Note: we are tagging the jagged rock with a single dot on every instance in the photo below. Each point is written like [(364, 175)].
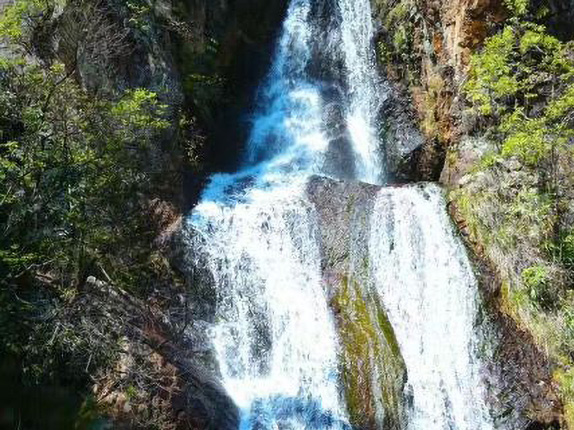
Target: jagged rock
[(461, 158), (519, 379), (560, 17), (520, 388)]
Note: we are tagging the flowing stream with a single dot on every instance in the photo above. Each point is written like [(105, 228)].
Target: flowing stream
[(256, 232)]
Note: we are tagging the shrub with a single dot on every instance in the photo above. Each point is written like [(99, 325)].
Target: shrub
[(73, 168), (518, 200)]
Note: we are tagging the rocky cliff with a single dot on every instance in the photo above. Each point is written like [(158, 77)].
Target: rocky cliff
[(203, 58), (374, 372)]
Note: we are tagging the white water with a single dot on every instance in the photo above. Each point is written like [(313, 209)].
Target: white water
[(256, 233), (275, 338), (365, 88), (425, 280)]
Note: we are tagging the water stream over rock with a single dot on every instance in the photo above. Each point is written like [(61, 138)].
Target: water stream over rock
[(336, 305), (426, 283)]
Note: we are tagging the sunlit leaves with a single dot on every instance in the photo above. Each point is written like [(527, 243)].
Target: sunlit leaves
[(517, 7), (72, 167), (20, 18)]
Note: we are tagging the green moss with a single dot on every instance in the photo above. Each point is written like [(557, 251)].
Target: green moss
[(565, 380), (350, 204), (388, 332), (398, 13), (400, 38), (396, 47), (365, 264), (373, 367)]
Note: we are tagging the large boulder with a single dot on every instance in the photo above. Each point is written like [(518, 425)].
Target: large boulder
[(373, 369), (403, 141)]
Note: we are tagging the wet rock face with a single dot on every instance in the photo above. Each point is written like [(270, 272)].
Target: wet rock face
[(245, 32), (428, 68), (520, 389), (404, 142), (343, 208), (373, 370), (560, 17), (425, 49), (203, 58), (518, 376)]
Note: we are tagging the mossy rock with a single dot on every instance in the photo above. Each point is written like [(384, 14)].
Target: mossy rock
[(372, 368), (374, 372)]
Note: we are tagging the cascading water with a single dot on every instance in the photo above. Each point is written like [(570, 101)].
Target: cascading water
[(275, 338), (425, 280), (365, 88), (256, 233)]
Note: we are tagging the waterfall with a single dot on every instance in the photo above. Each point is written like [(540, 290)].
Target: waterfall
[(275, 338), (426, 282), (366, 90), (256, 232)]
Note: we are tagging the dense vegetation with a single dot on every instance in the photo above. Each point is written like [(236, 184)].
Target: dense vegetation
[(518, 202), (77, 182), (71, 174)]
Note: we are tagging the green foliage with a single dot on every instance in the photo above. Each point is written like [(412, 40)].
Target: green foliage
[(488, 161), (564, 378), (514, 67), (75, 184), (192, 141), (20, 19), (536, 279), (491, 76), (562, 249), (566, 254), (517, 7), (398, 13), (400, 39), (522, 85), (526, 137), (396, 47), (72, 170), (139, 110), (140, 12), (12, 23), (523, 81), (78, 177)]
